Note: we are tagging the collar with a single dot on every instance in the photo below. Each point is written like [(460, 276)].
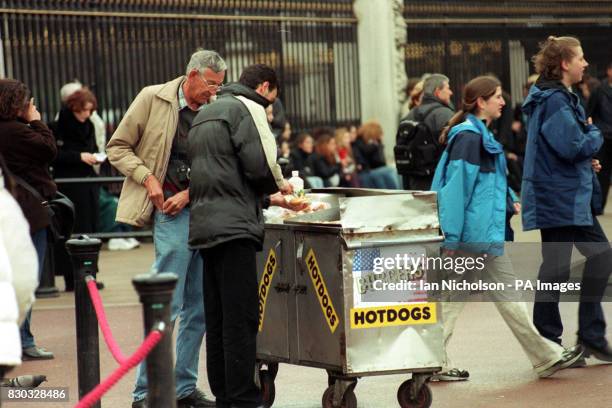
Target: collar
[(182, 102)]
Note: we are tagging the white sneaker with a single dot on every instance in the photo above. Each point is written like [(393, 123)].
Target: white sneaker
[(121, 244), (134, 242)]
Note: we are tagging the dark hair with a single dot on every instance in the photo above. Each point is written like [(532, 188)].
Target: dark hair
[(301, 138), (9, 182), (321, 147), (255, 75), (77, 101), (14, 98), (553, 51), (319, 132), (480, 87)]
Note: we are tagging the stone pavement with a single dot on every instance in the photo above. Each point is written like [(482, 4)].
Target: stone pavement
[(501, 375)]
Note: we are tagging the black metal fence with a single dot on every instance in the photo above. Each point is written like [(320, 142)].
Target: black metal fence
[(119, 46), (464, 39)]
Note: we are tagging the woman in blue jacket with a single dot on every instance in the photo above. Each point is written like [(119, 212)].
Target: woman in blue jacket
[(473, 196)]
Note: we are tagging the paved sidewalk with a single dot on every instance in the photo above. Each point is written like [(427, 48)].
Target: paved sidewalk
[(501, 375)]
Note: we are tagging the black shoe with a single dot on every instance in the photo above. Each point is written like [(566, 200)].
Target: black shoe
[(580, 363), (197, 399), (36, 353), (99, 285), (600, 353), (139, 404)]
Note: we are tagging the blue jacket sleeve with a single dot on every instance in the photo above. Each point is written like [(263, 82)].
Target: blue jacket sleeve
[(459, 182), (571, 140)]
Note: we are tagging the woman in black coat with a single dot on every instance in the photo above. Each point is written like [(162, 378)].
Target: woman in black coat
[(27, 146), (76, 142)]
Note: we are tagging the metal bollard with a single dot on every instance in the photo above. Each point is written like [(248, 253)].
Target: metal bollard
[(84, 254), (155, 291)]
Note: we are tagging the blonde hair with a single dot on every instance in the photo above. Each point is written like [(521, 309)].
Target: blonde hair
[(553, 51), (370, 131)]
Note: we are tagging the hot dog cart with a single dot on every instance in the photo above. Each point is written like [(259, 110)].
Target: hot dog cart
[(320, 303)]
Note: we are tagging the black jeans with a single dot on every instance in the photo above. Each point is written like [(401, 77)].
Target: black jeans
[(592, 243), (605, 157), (230, 302)]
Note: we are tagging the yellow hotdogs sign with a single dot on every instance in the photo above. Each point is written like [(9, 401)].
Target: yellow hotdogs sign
[(329, 312), (400, 315), (265, 284)]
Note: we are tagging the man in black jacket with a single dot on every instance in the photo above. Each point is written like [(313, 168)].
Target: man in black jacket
[(600, 109), (233, 167), (435, 111)]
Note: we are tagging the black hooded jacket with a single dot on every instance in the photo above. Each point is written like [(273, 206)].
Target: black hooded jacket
[(230, 171)]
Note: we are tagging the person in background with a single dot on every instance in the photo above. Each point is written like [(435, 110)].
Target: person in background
[(28, 148), (600, 109), (434, 111), (301, 160), (18, 271), (473, 201), (560, 194), (107, 201), (406, 106), (345, 155), (370, 158), (325, 162)]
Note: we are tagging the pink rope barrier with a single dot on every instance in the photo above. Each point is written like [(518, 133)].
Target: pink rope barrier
[(103, 322), (145, 348)]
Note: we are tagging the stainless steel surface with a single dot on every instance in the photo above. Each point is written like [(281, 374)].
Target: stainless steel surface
[(299, 326)]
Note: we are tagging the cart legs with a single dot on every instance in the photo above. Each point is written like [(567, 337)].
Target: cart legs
[(415, 393), (340, 393)]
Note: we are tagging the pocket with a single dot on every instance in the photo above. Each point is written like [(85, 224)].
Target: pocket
[(162, 218)]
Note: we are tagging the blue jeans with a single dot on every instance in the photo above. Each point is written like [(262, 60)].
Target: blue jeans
[(172, 254), (39, 239), (382, 177)]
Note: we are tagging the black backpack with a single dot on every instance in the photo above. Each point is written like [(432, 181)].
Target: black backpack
[(416, 149)]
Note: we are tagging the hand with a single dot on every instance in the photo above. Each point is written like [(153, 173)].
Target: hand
[(156, 194), (279, 200), (596, 165), (517, 208), (512, 156), (286, 189), (88, 158), (590, 120), (516, 126), (176, 203), (31, 112)]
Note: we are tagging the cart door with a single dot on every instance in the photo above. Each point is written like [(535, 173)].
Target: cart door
[(319, 299), (274, 277)]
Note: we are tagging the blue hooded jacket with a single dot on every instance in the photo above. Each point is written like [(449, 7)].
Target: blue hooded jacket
[(473, 194), (559, 185)]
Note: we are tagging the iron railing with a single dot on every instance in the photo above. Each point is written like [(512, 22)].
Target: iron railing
[(119, 46)]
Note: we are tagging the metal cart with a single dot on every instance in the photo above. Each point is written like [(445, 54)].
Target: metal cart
[(318, 305)]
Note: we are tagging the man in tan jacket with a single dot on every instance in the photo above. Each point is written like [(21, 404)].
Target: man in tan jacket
[(150, 148)]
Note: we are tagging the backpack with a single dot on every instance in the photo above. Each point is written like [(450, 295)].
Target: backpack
[(416, 149)]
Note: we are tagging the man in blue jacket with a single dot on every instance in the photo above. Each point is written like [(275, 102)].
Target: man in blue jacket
[(560, 193)]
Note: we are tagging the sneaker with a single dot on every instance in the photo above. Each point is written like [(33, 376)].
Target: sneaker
[(139, 404), (600, 353), (197, 399), (580, 363), (134, 242), (121, 244), (451, 375), (36, 353), (569, 357)]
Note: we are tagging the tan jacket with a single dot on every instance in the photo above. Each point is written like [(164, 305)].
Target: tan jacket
[(141, 146)]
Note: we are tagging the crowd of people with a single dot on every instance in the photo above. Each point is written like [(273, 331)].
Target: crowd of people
[(200, 160)]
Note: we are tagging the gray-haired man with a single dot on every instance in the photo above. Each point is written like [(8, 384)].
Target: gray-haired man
[(435, 111), (150, 148)]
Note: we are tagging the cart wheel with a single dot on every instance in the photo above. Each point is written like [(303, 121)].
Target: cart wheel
[(349, 400), (423, 399), (268, 390)]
